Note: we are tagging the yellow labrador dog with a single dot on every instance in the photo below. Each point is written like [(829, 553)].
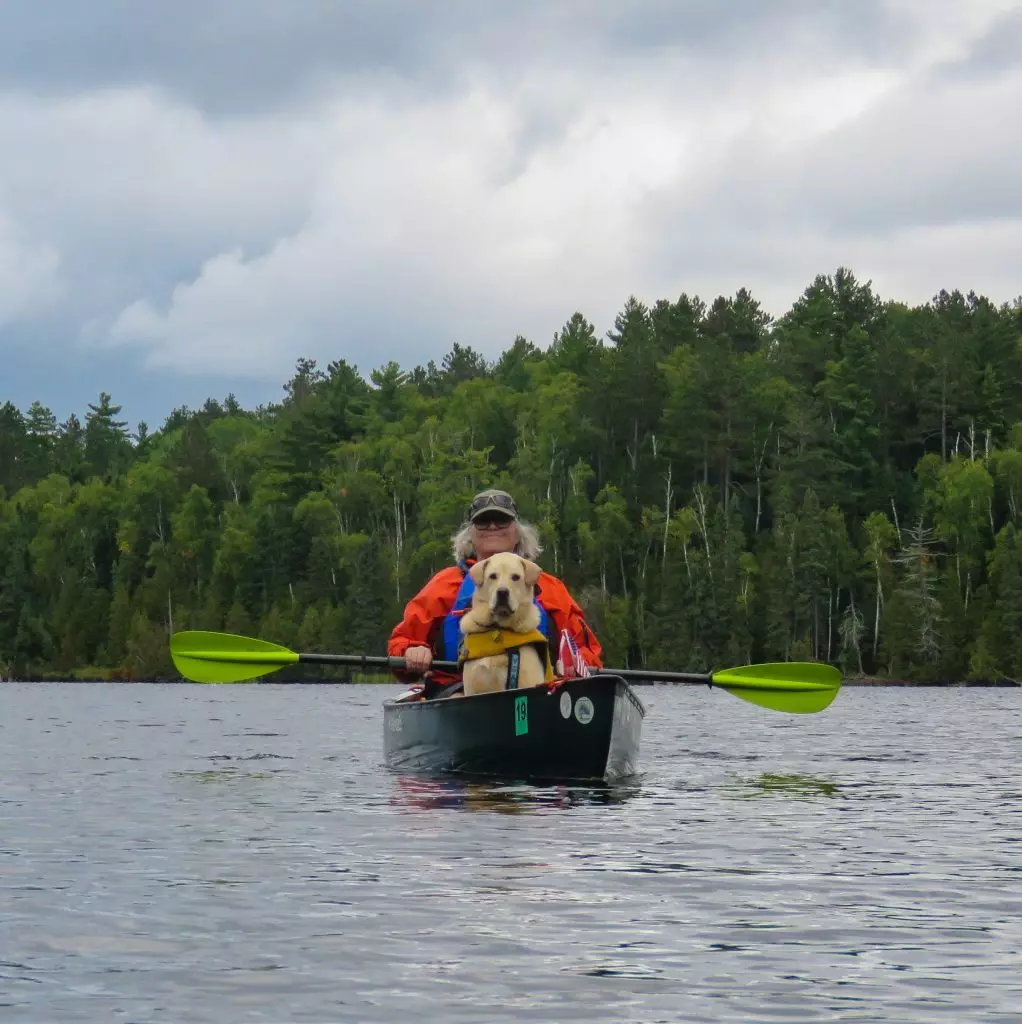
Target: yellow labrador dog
[(502, 612)]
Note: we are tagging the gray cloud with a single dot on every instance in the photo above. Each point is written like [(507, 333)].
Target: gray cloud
[(997, 50), (219, 188), (29, 273), (240, 56)]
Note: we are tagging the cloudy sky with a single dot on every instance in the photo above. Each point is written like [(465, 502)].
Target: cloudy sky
[(195, 194)]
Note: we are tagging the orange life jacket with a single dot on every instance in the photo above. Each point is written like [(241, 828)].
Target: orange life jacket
[(422, 624)]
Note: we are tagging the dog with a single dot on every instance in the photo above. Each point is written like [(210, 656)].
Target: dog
[(503, 606)]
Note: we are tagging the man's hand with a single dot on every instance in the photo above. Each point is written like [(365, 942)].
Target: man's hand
[(418, 659)]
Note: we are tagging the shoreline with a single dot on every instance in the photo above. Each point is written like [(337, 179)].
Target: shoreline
[(1003, 682), (987, 684)]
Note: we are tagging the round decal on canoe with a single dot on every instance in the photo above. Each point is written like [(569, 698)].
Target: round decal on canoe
[(566, 705), (584, 711)]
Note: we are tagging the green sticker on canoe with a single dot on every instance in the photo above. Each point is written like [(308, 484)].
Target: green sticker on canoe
[(521, 715)]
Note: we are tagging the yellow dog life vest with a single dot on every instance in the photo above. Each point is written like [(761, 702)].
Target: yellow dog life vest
[(503, 641)]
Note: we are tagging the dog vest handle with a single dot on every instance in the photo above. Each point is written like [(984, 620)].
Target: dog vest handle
[(514, 661)]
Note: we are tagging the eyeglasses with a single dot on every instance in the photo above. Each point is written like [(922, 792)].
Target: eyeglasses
[(497, 522)]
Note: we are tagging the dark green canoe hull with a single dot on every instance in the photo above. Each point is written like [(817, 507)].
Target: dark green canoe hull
[(585, 729)]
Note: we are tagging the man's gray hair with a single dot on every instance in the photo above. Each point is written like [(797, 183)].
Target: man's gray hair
[(528, 545)]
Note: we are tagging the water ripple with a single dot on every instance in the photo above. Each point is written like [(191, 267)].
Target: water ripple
[(239, 853)]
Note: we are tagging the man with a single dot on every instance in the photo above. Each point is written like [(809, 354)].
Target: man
[(429, 629)]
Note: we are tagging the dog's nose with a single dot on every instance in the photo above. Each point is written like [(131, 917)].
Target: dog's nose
[(503, 595)]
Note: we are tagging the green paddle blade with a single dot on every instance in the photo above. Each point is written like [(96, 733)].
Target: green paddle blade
[(798, 687), (224, 658)]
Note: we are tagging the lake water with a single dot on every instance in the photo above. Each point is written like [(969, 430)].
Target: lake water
[(237, 853)]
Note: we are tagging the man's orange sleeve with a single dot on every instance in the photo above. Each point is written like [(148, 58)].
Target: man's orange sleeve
[(433, 602), (566, 614)]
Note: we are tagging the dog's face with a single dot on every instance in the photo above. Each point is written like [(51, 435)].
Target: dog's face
[(504, 583)]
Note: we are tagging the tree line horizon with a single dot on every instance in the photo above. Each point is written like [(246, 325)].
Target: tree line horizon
[(716, 487)]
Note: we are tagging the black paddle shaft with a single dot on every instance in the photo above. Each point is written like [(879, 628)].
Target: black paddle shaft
[(657, 676), (372, 661)]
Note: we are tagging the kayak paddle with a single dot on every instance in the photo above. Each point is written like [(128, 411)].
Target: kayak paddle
[(206, 657), (797, 687)]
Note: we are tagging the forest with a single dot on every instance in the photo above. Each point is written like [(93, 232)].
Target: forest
[(717, 487)]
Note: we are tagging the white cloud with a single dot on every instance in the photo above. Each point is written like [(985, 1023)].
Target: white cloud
[(419, 230), (442, 220)]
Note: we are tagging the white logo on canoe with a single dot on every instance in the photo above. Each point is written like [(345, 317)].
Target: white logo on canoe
[(566, 705), (584, 711)]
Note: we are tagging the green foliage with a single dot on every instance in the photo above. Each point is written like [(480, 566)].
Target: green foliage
[(716, 488), (148, 651)]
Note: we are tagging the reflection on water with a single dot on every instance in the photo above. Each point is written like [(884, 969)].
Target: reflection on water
[(797, 787), (428, 793)]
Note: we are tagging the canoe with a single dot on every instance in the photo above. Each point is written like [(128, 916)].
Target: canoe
[(582, 729)]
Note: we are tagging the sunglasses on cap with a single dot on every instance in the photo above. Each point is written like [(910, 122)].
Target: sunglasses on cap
[(499, 502)]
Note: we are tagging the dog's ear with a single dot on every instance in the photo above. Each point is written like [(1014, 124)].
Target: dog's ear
[(532, 572), (478, 572)]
